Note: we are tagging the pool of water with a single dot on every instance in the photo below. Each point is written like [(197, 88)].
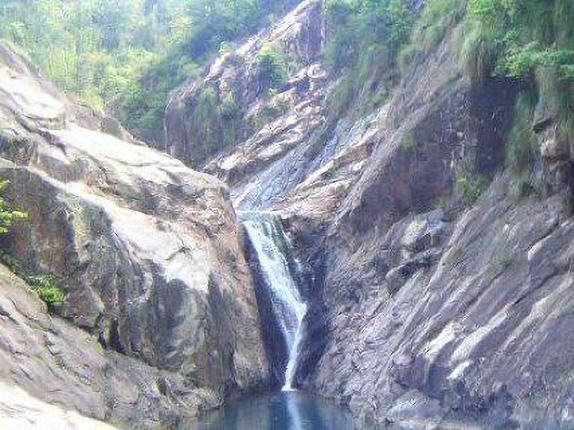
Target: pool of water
[(279, 411)]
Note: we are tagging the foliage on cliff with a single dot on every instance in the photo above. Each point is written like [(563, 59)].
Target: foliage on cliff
[(45, 286), (532, 41), (92, 48), (364, 39), (8, 216), (128, 56)]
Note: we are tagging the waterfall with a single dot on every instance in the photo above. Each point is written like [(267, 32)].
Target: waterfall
[(279, 273)]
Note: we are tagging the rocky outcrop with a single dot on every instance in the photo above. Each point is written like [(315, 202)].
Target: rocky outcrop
[(147, 250), (19, 410), (457, 307), (55, 375), (286, 138), (233, 102)]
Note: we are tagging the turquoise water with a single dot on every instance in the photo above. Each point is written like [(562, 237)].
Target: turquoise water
[(279, 411)]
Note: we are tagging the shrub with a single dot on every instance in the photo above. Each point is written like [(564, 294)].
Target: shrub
[(7, 215), (45, 286), (268, 114), (471, 188), (229, 108), (479, 54), (342, 94), (271, 67), (409, 142), (364, 39), (436, 18), (343, 39), (521, 139), (525, 187), (526, 40)]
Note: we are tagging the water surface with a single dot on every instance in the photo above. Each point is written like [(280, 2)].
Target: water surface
[(287, 410)]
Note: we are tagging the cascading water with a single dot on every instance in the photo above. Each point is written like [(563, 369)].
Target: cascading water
[(278, 270)]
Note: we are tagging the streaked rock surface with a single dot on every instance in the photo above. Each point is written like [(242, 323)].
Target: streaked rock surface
[(148, 251)]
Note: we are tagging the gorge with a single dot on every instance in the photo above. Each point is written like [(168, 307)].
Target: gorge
[(355, 215)]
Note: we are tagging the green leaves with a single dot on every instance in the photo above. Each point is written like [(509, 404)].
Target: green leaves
[(45, 286), (471, 188), (531, 40), (364, 38), (7, 215), (527, 33), (271, 67)]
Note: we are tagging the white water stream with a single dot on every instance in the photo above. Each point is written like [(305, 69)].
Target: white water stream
[(273, 252)]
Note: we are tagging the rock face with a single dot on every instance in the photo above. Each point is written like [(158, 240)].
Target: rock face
[(439, 294), (54, 374), (457, 307), (286, 137), (19, 410), (148, 251)]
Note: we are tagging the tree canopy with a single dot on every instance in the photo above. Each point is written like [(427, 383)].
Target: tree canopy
[(128, 55)]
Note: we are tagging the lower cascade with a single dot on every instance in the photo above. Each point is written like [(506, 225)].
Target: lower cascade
[(279, 272)]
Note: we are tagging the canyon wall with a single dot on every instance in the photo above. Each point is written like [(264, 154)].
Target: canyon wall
[(439, 281)]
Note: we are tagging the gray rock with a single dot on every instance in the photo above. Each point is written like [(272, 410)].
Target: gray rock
[(148, 251), (235, 76)]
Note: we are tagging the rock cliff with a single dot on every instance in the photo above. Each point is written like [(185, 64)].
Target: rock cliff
[(148, 253), (440, 290)]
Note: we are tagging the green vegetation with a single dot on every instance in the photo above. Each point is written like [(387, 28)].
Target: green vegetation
[(212, 115), (8, 216), (267, 114), (532, 42), (471, 188), (436, 18), (229, 109), (526, 34), (44, 285), (271, 67), (365, 37), (529, 40), (92, 48), (525, 186), (127, 56), (409, 142), (521, 139)]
